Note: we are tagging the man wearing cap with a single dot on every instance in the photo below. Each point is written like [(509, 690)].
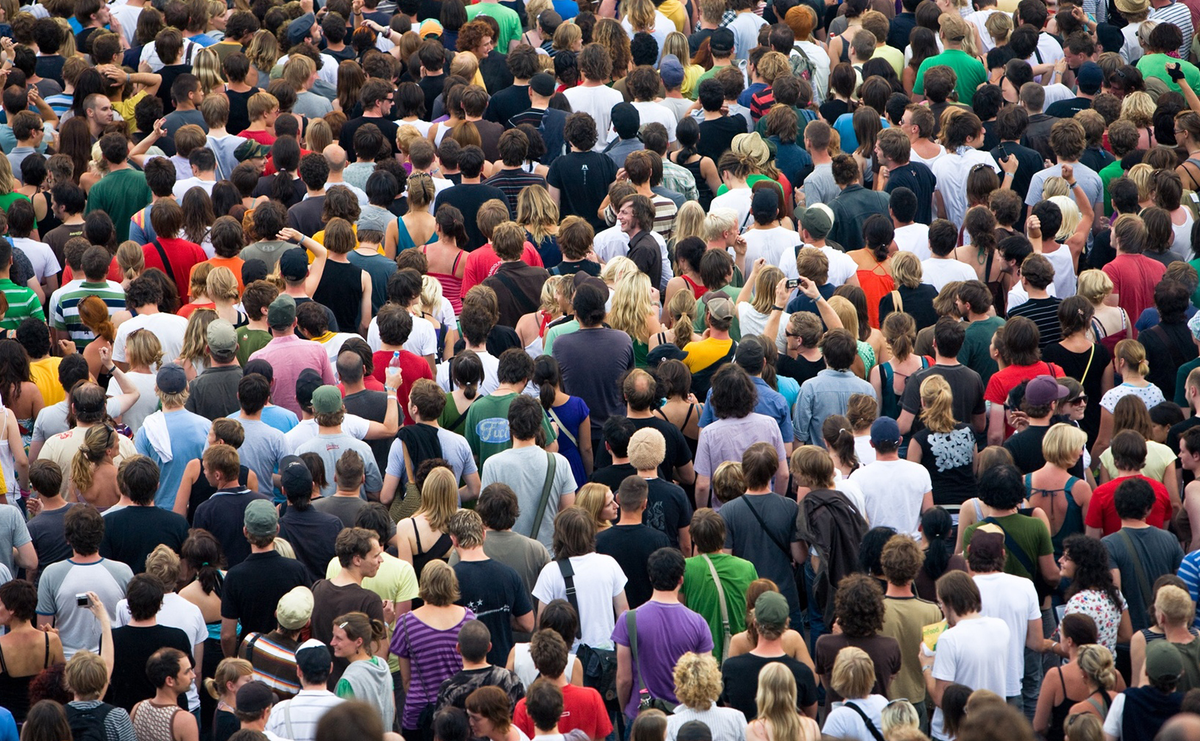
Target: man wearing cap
[(88, 403), (1042, 395), (307, 429), (273, 655), (897, 491), (214, 393), (307, 30), (253, 708), (829, 391), (969, 71), (137, 640), (171, 436), (721, 44), (548, 121), (625, 122), (133, 532), (1088, 80), (739, 674), (331, 441), (253, 587), (309, 531), (296, 718), (288, 354), (705, 356), (815, 223), (1139, 712)]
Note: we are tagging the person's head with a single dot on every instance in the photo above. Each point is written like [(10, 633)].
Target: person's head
[(858, 606), (1002, 489), (355, 632), (170, 668), (574, 533), (853, 673), (548, 646), (544, 704), (957, 593)]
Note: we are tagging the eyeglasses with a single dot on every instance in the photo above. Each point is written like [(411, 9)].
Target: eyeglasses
[(1081, 400), (793, 335)]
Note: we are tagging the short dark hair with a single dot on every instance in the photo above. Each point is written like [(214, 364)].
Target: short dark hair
[(525, 416), (83, 528), (1003, 488), (139, 478), (760, 464), (732, 392), (498, 506), (616, 431), (163, 664), (514, 366), (1129, 450), (1134, 498), (145, 596), (665, 569)]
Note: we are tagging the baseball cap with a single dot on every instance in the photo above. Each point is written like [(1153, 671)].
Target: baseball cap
[(262, 368), (300, 28), (430, 27), (720, 307), (254, 697), (750, 356), (282, 311), (885, 430), (721, 41), (1089, 78), (671, 71), (260, 518), (1044, 390), (626, 120), (694, 730), (295, 609), (543, 84), (222, 337), (1163, 661), (771, 608), (293, 264), (171, 379), (252, 270), (987, 543), (250, 150), (326, 400), (306, 383), (295, 478), (313, 658), (817, 220)]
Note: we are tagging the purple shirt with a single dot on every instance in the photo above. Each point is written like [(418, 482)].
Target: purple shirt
[(726, 440), (665, 631), (288, 356), (434, 660)]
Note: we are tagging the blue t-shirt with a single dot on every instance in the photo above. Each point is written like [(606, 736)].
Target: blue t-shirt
[(278, 417), (189, 436)]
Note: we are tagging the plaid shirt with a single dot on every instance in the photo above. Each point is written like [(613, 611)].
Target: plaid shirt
[(679, 179)]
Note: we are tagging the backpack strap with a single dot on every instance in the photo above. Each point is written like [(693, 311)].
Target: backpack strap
[(1013, 547), (162, 254), (1143, 583), (631, 630), (866, 720), (568, 575), (526, 304)]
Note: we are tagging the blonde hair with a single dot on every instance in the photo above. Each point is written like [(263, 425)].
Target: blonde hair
[(1096, 663), (549, 298), (228, 672), (1063, 444), (728, 483), (163, 564), (67, 48), (131, 259), (86, 675), (439, 498), (853, 673), (591, 498), (1134, 355), (143, 348), (206, 66), (1140, 175), (1175, 605), (900, 333), (682, 310), (1094, 285), (537, 212), (8, 183), (631, 306), (1070, 216), (899, 714), (999, 26), (431, 294), (697, 680), (764, 289), (221, 284), (937, 404), (906, 269), (846, 313), (297, 70), (617, 268), (318, 135), (1054, 186), (776, 702), (439, 583), (689, 222), (566, 35), (718, 222), (198, 281), (464, 64), (1138, 108), (1083, 726), (639, 13), (263, 50), (93, 312), (97, 441), (195, 336)]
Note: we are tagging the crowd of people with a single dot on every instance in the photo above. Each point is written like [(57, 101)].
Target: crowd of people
[(665, 370)]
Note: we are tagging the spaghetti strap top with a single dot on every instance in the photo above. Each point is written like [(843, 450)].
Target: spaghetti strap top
[(698, 289), (1059, 713), (1109, 341), (14, 691), (1072, 523), (451, 283), (436, 552)]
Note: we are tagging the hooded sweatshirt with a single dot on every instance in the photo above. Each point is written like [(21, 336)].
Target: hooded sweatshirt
[(370, 681)]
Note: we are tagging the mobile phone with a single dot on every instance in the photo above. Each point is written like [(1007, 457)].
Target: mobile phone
[(792, 283), (83, 600)]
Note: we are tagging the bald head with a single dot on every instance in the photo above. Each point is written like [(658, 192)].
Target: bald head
[(336, 157), (1182, 727)]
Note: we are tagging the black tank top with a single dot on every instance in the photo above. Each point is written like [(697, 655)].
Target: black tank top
[(702, 189), (341, 290), (239, 117)]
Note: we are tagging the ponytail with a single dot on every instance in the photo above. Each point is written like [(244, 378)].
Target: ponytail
[(937, 404), (900, 333), (839, 437), (1134, 355), (681, 333), (548, 378), (282, 189), (467, 372), (96, 443)]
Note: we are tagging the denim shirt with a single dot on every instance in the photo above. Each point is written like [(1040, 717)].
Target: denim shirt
[(823, 395)]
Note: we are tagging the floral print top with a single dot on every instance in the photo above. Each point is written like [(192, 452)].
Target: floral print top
[(1096, 605)]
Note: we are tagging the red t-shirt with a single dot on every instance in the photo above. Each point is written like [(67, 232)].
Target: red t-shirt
[(114, 272), (1134, 278), (1008, 379), (262, 137), (182, 254), (369, 383), (482, 264), (412, 368), (583, 708), (1102, 510)]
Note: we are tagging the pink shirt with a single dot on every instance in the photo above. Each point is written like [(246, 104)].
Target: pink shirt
[(288, 356)]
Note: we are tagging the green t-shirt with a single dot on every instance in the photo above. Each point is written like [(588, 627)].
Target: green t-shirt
[(1029, 532), (250, 341), (1155, 65), (22, 304), (700, 591), (486, 428), (1109, 173), (122, 194), (555, 332), (970, 72), (977, 344), (506, 18)]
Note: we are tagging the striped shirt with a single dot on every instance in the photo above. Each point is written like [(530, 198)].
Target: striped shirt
[(1189, 571), (432, 653), (1044, 313), (512, 182), (296, 719), (60, 103), (64, 307), (22, 303), (274, 660), (1178, 15)]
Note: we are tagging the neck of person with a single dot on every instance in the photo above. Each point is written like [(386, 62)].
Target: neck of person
[(954, 619), (334, 430), (939, 359), (899, 590), (471, 554), (77, 557), (519, 443), (718, 334), (1035, 293), (768, 648), (166, 696), (620, 461), (149, 622), (1138, 524), (631, 518), (348, 575), (665, 596)]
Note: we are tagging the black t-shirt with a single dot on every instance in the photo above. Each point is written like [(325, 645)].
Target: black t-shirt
[(49, 538), (667, 509), (739, 674), (631, 546), (50, 67), (716, 136), (831, 109), (169, 73), (372, 405), (132, 533), (132, 647), (239, 116), (223, 515), (582, 179), (951, 463), (1029, 163), (1069, 107), (799, 368), (612, 475), (305, 216), (918, 178), (678, 453), (917, 302), (1164, 357), (495, 72), (266, 187), (496, 594), (312, 534), (1044, 313), (1096, 158), (965, 385), (1026, 449), (1088, 368), (347, 138), (467, 198), (252, 589), (432, 86), (507, 103)]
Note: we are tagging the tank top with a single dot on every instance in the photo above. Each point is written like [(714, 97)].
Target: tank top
[(698, 289), (451, 284), (1073, 521), (153, 721), (437, 551), (14, 691), (889, 401), (1059, 713), (239, 116), (341, 290), (703, 191), (1109, 341)]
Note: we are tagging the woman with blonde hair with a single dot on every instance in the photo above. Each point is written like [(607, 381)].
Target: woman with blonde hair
[(776, 702), (1054, 489), (1129, 361), (418, 226), (132, 261), (945, 446), (422, 538), (318, 135), (616, 269), (194, 354), (898, 715), (568, 37), (206, 66), (1141, 174), (93, 312), (679, 327), (222, 686), (599, 502), (1138, 108), (537, 214), (677, 43), (698, 687), (1110, 324), (634, 313), (8, 185), (689, 222), (612, 36), (197, 290), (531, 328), (222, 289), (912, 295), (853, 677), (757, 297), (263, 53), (1102, 680), (890, 377), (93, 473)]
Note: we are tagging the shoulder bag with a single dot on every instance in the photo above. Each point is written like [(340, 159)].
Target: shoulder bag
[(866, 721), (599, 664), (551, 467), (646, 700), (725, 632)]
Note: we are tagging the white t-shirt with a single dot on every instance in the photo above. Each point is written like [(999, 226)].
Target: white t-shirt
[(772, 244), (421, 341), (352, 424), (168, 328), (851, 490), (914, 157), (183, 186), (970, 653), (1017, 294), (1064, 271), (1114, 721), (150, 56), (937, 271), (40, 254), (1013, 600), (914, 238), (651, 112), (951, 171), (736, 199), (491, 380), (127, 15), (894, 491), (842, 722), (979, 19), (176, 612), (598, 579), (598, 103)]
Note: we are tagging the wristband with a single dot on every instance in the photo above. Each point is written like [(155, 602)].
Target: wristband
[(776, 308)]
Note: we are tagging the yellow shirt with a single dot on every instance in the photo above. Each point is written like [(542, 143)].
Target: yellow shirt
[(891, 55), (691, 76), (673, 9), (704, 353), (125, 108), (44, 374)]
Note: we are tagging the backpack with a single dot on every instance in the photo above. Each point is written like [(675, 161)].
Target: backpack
[(802, 66), (87, 724)]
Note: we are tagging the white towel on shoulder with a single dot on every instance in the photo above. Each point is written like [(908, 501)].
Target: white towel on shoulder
[(158, 436)]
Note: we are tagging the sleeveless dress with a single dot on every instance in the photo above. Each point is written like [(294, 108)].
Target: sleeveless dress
[(404, 240), (1073, 521), (1110, 340), (704, 192), (569, 416), (14, 691), (451, 284)]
